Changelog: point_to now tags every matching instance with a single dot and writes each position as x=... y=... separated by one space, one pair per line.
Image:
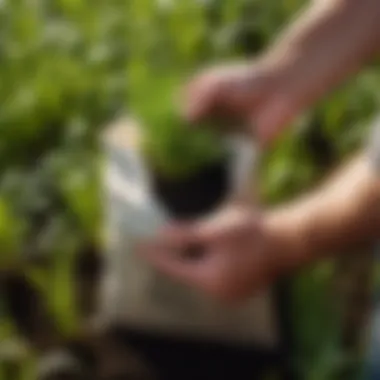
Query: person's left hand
x=233 y=262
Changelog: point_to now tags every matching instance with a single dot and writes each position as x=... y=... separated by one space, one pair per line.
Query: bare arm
x=343 y=212
x=329 y=41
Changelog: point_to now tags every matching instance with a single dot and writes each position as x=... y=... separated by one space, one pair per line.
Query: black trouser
x=181 y=359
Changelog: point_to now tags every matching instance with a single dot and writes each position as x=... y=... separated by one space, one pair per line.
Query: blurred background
x=67 y=68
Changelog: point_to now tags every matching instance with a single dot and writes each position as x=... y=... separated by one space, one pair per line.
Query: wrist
x=289 y=84
x=287 y=241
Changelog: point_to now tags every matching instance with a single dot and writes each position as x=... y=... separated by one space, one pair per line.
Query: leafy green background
x=70 y=66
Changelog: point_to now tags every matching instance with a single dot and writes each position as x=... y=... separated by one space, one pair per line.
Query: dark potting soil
x=193 y=196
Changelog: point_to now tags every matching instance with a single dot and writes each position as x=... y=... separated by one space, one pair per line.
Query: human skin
x=244 y=251
x=328 y=42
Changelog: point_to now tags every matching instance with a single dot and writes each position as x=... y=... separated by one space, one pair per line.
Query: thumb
x=201 y=97
x=272 y=118
x=191 y=242
x=180 y=252
x=204 y=231
x=180 y=236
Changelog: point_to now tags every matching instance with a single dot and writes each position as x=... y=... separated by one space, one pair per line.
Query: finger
x=273 y=118
x=218 y=228
x=178 y=235
x=226 y=222
x=215 y=228
x=243 y=92
x=202 y=96
x=206 y=274
x=169 y=262
x=201 y=232
x=180 y=238
x=192 y=242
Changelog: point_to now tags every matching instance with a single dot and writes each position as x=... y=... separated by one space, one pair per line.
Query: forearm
x=344 y=212
x=330 y=40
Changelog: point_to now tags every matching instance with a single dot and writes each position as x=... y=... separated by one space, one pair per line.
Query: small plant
x=171 y=146
x=158 y=65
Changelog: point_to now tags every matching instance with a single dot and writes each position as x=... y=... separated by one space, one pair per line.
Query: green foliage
x=173 y=43
x=175 y=148
x=70 y=66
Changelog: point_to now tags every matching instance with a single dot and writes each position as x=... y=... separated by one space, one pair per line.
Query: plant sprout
x=158 y=65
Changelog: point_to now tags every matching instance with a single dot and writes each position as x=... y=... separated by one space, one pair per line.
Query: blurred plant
x=175 y=42
x=70 y=66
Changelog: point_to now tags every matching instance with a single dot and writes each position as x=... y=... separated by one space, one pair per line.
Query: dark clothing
x=182 y=359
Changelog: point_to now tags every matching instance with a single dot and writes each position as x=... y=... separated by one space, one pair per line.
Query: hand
x=234 y=261
x=254 y=95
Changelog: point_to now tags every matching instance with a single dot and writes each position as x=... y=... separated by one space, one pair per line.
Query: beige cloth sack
x=133 y=293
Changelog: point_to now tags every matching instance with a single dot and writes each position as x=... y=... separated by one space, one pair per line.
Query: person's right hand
x=255 y=95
